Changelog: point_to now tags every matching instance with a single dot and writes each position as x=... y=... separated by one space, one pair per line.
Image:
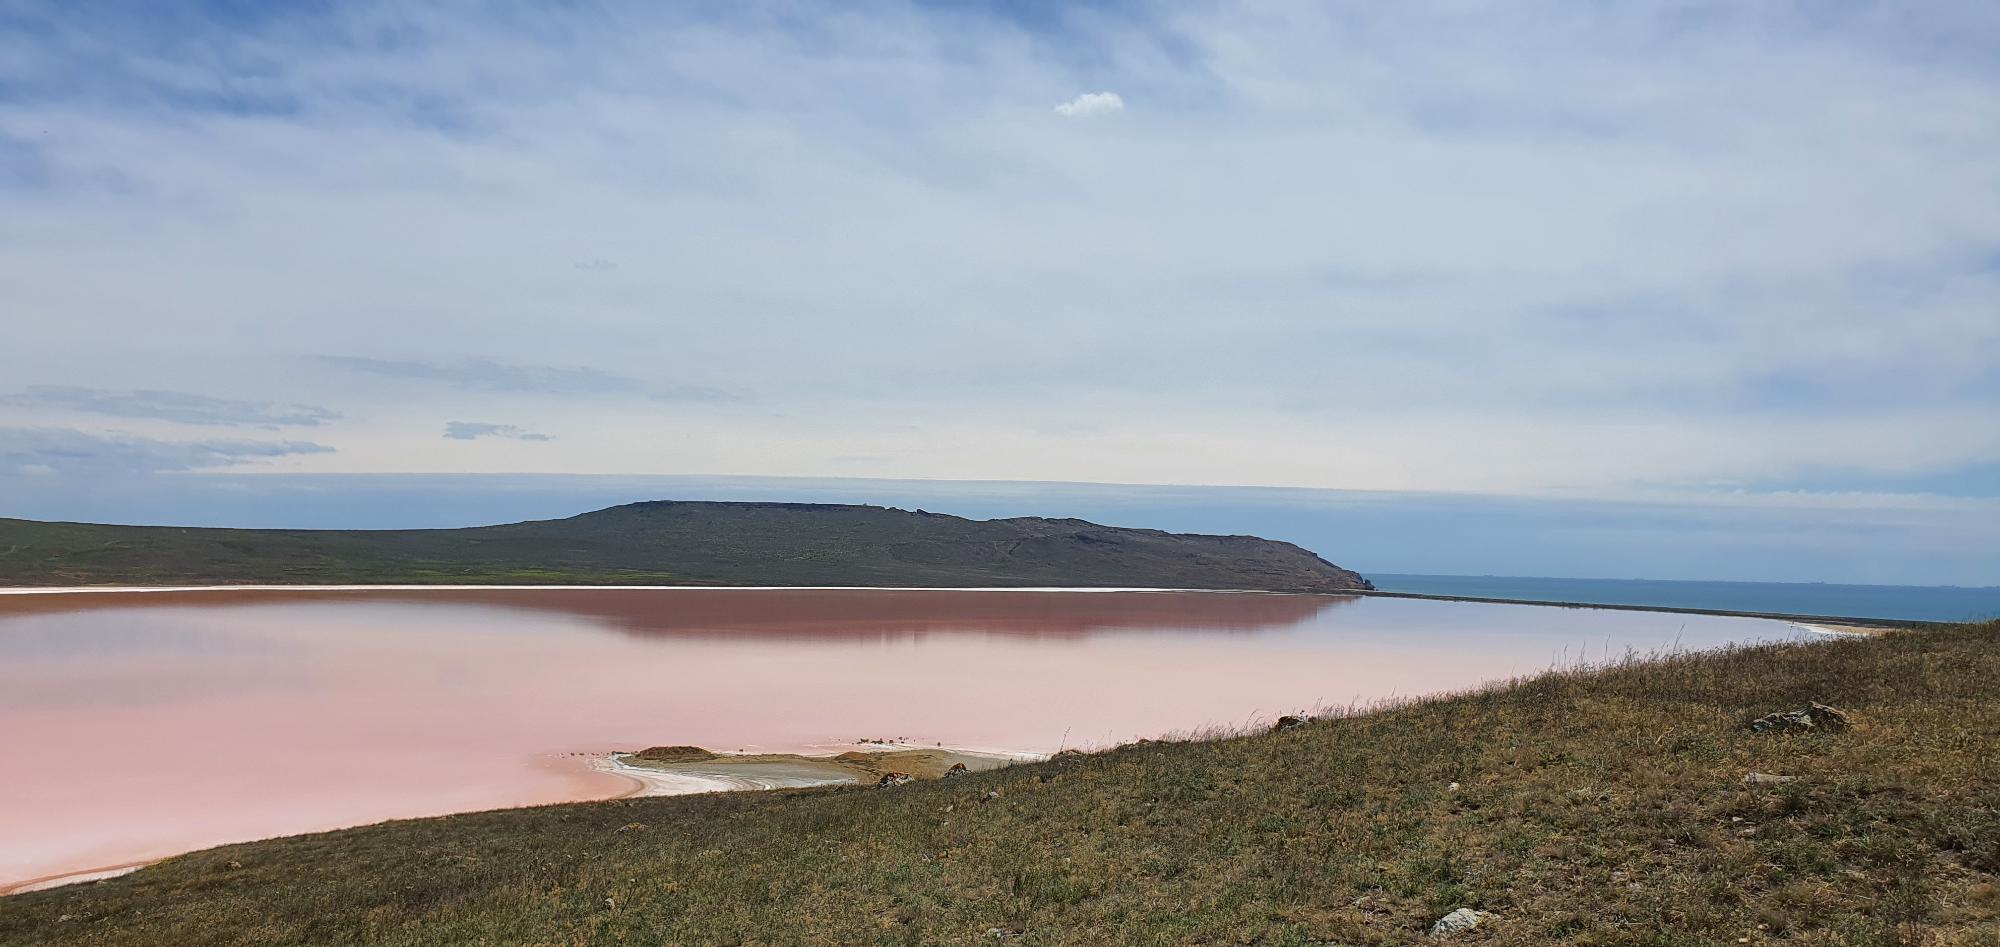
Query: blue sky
x=1701 y=257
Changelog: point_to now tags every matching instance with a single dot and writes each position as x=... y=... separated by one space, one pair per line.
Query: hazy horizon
x=1680 y=290
x=1369 y=531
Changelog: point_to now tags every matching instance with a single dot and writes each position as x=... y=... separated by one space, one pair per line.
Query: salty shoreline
x=1815 y=622
x=128 y=589
x=46 y=882
x=650 y=781
x=853 y=764
x=728 y=772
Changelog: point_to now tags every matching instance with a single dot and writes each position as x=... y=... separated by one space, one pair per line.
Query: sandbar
x=681 y=770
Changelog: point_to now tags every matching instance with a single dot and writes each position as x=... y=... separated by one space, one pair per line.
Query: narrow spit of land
x=1633 y=805
x=674 y=770
x=1842 y=622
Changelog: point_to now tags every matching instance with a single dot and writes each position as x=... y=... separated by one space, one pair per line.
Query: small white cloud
x=474 y=430
x=1091 y=103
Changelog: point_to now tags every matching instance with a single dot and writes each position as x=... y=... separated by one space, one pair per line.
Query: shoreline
x=648 y=781
x=1838 y=631
x=1789 y=617
x=757 y=775
x=85 y=876
x=1860 y=624
x=844 y=764
x=474 y=587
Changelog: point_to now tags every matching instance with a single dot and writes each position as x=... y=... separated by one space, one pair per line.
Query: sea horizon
x=1942 y=603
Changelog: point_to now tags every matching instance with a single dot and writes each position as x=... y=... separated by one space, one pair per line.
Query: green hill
x=1576 y=808
x=674 y=543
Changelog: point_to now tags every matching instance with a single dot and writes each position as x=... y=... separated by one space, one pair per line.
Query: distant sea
x=1908 y=602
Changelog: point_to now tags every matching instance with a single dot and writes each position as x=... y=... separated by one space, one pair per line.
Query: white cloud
x=1091 y=103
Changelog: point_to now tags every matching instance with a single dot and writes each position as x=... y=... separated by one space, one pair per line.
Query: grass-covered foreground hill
x=1578 y=808
x=674 y=543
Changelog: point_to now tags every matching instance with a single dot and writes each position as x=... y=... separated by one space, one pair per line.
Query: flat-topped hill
x=674 y=543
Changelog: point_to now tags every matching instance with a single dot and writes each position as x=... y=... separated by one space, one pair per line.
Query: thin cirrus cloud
x=1091 y=103
x=34 y=450
x=484 y=375
x=178 y=406
x=474 y=430
x=1520 y=248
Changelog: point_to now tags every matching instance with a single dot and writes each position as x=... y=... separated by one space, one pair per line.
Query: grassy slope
x=1593 y=809
x=672 y=543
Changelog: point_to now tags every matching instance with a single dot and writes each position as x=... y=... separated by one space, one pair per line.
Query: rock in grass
x=1814 y=718
x=1458 y=922
x=1767 y=779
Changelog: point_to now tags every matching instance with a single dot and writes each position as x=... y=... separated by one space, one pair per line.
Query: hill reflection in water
x=788 y=613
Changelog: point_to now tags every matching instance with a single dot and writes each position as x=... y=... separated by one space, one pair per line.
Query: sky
x=1695 y=290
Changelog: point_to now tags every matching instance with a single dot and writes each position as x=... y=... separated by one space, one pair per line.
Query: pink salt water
x=139 y=725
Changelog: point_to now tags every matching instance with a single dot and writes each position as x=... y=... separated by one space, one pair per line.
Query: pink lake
x=139 y=725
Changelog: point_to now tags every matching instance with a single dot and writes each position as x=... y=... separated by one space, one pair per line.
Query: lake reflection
x=140 y=725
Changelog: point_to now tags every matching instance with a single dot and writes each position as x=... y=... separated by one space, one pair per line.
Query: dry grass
x=1592 y=808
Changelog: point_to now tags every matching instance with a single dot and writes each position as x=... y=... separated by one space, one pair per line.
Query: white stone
x=1457 y=922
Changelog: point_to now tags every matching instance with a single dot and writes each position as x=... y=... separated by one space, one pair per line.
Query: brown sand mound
x=674 y=754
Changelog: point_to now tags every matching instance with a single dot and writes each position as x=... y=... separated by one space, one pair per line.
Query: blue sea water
x=1907 y=602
